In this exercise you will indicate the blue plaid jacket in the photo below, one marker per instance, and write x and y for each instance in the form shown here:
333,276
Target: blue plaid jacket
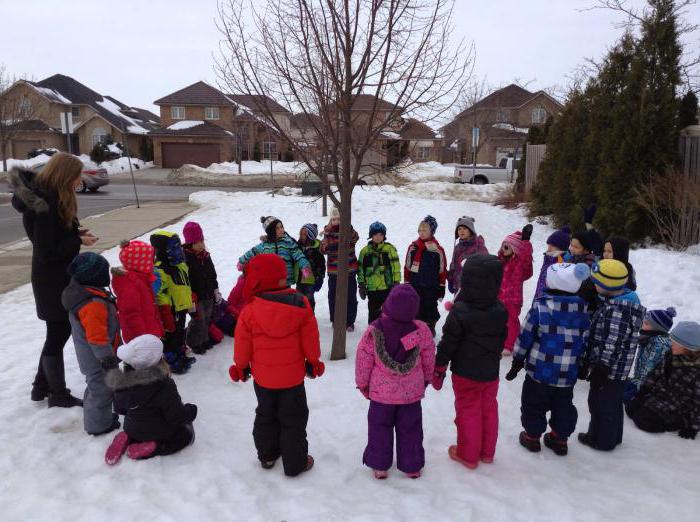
614,334
553,339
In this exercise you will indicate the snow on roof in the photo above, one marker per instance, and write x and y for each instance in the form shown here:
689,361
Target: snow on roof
51,94
510,127
185,124
133,126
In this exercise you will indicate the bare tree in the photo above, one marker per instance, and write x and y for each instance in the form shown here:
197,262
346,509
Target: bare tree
315,57
15,112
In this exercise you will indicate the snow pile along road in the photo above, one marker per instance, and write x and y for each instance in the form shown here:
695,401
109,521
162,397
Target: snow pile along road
52,469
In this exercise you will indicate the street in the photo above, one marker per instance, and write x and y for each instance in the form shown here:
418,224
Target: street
111,197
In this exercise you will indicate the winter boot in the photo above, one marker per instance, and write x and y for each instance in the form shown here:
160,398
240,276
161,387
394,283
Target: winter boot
586,440
309,463
117,448
557,445
452,451
115,426
141,450
268,464
59,395
414,475
530,443
199,350
380,474
40,388
177,363
487,460
350,328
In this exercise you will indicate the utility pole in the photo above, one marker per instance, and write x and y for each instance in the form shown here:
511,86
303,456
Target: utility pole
131,169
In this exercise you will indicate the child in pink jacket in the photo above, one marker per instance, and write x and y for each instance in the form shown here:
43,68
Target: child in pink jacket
516,256
394,364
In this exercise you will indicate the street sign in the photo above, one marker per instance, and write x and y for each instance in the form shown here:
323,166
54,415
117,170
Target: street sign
67,123
475,137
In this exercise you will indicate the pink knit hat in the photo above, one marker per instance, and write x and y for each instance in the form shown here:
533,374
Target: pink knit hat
192,233
515,242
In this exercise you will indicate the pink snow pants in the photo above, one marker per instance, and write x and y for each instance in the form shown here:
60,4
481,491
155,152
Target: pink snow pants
513,310
477,418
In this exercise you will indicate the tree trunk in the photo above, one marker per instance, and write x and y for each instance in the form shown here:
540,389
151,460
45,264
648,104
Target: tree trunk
3,146
341,292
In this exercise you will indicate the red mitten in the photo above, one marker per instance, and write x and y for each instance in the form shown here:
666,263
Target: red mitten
215,334
166,317
448,305
237,374
315,369
365,392
439,376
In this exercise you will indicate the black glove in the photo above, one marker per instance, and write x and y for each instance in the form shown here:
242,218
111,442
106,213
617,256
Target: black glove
687,433
191,410
362,289
441,292
515,367
110,363
526,232
599,373
583,372
589,213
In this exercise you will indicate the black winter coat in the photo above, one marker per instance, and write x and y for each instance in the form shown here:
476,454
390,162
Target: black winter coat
54,245
202,274
475,329
150,403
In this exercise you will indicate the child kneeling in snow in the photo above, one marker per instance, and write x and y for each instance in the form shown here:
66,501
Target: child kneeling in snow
95,329
549,347
277,342
394,363
156,422
669,399
472,343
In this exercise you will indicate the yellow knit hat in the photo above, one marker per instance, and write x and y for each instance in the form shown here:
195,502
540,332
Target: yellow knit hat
610,274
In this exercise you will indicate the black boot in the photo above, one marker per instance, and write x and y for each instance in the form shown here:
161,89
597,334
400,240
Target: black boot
40,388
558,446
59,395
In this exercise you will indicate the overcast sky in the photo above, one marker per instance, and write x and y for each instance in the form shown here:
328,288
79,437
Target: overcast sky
139,51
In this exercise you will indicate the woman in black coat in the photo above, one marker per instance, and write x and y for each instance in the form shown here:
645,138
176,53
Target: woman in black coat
48,206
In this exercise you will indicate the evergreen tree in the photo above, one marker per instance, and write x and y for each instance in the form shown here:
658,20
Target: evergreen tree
688,112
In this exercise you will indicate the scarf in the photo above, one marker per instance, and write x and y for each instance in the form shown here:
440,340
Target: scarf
421,246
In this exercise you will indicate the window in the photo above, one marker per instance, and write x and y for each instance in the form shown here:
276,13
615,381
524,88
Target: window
211,113
25,107
177,113
270,150
75,111
539,115
503,116
98,134
424,152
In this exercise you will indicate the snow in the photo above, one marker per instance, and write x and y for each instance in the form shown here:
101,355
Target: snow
113,148
52,469
133,126
113,167
249,168
510,127
185,124
51,94
26,163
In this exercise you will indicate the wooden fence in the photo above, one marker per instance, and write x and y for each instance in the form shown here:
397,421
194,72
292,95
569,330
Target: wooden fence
535,155
689,150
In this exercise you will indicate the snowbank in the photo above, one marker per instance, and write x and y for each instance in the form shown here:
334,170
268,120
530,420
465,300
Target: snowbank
428,171
113,167
52,469
248,168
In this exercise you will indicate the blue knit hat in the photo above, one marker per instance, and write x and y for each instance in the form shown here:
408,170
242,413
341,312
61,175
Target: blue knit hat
91,269
377,228
311,231
661,320
431,222
687,334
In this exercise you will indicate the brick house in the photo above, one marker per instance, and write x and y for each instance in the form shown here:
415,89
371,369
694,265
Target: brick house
201,125
503,117
93,115
421,142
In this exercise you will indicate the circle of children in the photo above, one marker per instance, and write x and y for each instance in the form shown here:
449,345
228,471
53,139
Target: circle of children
586,322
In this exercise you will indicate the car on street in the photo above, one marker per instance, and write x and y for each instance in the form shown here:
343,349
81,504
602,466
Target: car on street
90,179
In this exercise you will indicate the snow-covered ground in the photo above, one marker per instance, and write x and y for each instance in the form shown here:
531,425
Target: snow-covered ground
113,167
52,470
248,168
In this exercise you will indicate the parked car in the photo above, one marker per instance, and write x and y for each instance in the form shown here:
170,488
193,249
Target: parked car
480,175
90,179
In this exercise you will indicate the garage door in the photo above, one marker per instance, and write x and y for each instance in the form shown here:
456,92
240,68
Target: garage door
20,148
177,154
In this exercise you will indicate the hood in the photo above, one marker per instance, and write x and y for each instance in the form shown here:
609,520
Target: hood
402,304
168,247
621,248
481,280
75,294
120,277
118,380
26,197
279,314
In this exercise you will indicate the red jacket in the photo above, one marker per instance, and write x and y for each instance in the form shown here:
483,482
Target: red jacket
516,270
136,304
275,334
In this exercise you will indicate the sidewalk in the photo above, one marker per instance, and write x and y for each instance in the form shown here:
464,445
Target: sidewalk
111,228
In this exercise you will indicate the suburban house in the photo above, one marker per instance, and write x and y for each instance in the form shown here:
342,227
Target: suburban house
421,142
503,118
201,125
52,101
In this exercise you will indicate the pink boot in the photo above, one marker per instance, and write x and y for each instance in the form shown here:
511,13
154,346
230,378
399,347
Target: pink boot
141,450
452,450
380,474
414,475
117,448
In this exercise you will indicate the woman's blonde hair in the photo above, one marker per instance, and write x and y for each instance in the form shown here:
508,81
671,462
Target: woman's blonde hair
59,175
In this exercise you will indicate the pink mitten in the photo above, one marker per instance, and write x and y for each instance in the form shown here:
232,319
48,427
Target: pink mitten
448,305
306,273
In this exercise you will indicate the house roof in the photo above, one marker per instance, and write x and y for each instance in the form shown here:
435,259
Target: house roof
193,128
253,101
305,121
32,125
199,93
136,112
365,102
416,130
64,89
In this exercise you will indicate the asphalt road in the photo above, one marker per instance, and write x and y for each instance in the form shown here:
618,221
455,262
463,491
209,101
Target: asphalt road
108,198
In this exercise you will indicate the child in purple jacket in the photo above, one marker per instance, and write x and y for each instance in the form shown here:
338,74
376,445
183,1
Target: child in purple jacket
394,363
468,243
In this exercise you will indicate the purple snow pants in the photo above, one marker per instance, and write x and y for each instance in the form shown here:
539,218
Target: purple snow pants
407,420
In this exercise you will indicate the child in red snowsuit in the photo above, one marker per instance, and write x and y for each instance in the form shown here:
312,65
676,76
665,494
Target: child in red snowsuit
516,256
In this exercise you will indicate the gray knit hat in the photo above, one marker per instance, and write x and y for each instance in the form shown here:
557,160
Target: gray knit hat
269,223
465,221
687,334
